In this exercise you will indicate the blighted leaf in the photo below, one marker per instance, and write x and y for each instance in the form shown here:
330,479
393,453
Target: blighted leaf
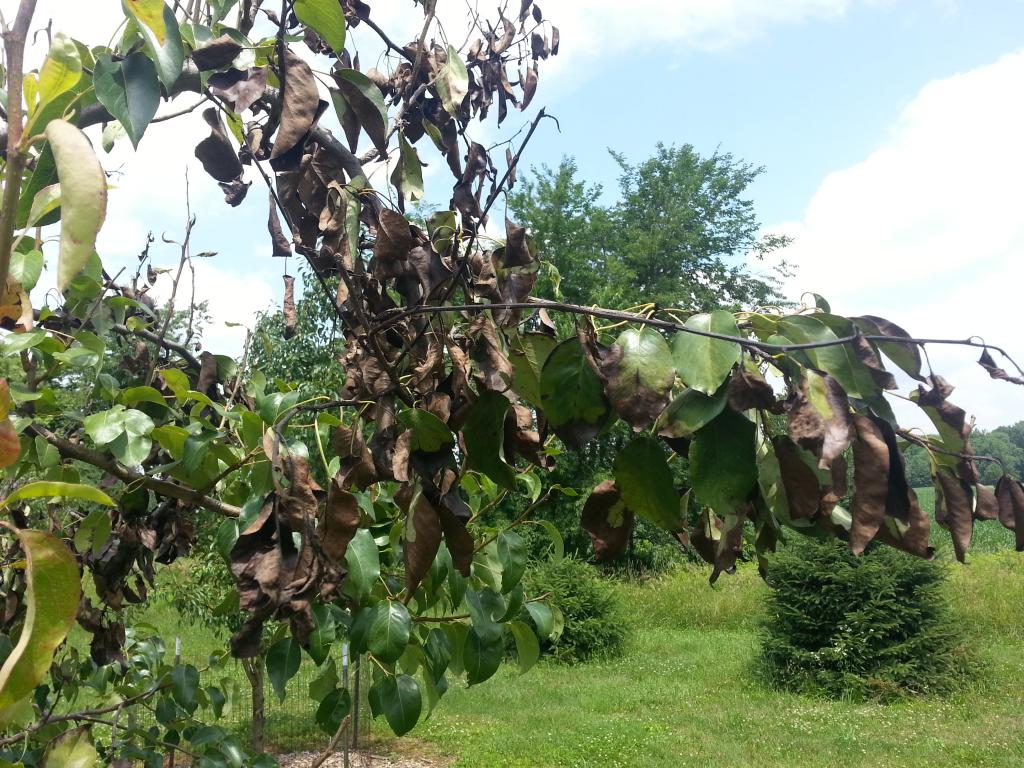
162,37
52,592
288,307
422,540
572,395
241,89
366,101
953,509
408,174
483,434
72,749
638,374
300,103
1010,495
906,355
871,467
689,411
799,480
819,417
645,483
986,362
702,362
83,197
723,466
217,54
909,535
748,389
453,81
10,443
216,152
326,18
339,522
608,521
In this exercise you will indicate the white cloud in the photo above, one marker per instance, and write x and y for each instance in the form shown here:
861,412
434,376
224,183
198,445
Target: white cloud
928,232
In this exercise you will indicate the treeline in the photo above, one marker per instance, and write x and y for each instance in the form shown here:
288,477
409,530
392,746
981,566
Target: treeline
1003,443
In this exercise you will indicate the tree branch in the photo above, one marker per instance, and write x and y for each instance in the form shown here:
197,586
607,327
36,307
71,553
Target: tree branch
166,488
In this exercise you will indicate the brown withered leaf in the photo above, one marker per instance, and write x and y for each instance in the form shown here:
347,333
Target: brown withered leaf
297,504
394,237
366,112
866,354
216,54
986,505
706,534
240,89
400,457
280,244
288,307
256,561
556,38
208,376
422,539
748,389
216,152
803,491
819,417
952,425
911,535
871,482
517,251
235,191
357,468
637,373
1010,494
300,104
906,355
456,536
608,521
953,509
521,438
529,81
430,269
500,45
730,545
488,353
989,364
339,521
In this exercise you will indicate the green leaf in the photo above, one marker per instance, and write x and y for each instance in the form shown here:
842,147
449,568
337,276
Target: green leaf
527,355
453,81
52,592
484,434
93,532
703,363
430,434
557,542
83,197
334,708
283,660
185,686
162,44
481,657
572,394
527,646
639,375
839,360
46,200
325,681
543,618
388,631
327,20
408,174
691,410
323,635
363,563
723,466
512,554
130,91
26,269
45,489
61,70
645,481
400,701
106,426
72,749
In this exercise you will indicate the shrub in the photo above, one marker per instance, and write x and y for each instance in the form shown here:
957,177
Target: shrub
594,618
876,626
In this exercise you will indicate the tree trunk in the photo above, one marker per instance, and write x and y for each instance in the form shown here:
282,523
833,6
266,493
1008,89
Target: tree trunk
254,672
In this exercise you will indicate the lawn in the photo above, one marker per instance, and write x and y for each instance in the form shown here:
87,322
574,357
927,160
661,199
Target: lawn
684,693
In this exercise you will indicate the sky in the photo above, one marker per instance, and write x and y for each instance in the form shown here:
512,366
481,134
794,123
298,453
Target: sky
891,133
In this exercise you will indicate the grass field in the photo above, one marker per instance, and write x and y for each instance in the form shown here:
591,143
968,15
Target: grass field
684,694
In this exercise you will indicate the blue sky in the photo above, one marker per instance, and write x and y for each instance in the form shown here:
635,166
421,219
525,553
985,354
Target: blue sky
891,131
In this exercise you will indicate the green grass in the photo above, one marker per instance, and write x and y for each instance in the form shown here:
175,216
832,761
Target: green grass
683,694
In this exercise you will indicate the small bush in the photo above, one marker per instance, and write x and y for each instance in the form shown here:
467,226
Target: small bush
594,619
876,626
